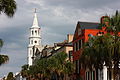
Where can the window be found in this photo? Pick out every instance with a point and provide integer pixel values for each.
(32, 33)
(35, 41)
(87, 75)
(79, 31)
(31, 41)
(79, 44)
(77, 66)
(70, 55)
(93, 75)
(36, 32)
(74, 47)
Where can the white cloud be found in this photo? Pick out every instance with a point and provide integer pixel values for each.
(58, 11)
(38, 2)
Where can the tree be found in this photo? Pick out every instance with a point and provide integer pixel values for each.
(10, 76)
(8, 7)
(104, 50)
(114, 28)
(98, 52)
(1, 43)
(3, 58)
(43, 68)
(24, 71)
(115, 24)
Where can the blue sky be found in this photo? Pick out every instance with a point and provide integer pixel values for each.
(57, 18)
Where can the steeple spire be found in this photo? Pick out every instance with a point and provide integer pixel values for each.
(35, 21)
(34, 39)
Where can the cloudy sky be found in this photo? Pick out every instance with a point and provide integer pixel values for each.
(57, 18)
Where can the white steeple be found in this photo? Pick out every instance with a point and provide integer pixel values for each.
(34, 38)
(35, 21)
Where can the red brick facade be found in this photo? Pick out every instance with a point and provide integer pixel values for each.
(81, 35)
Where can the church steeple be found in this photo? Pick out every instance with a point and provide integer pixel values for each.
(34, 38)
(35, 21)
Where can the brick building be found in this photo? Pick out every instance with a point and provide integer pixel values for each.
(81, 35)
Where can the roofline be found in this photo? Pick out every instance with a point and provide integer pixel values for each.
(89, 22)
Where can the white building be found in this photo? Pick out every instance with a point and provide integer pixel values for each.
(34, 39)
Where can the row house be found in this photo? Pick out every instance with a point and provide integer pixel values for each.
(83, 31)
(51, 50)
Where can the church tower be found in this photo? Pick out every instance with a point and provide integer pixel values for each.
(34, 38)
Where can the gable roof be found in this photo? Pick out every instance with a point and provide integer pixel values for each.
(85, 25)
(88, 25)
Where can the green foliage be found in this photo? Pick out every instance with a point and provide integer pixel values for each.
(1, 43)
(10, 76)
(45, 66)
(24, 71)
(8, 7)
(113, 23)
(97, 51)
(25, 67)
(105, 49)
(3, 59)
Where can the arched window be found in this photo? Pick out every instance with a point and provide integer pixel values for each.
(32, 33)
(36, 32)
(31, 41)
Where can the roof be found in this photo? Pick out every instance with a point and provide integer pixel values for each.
(84, 25)
(88, 25)
(35, 21)
(61, 43)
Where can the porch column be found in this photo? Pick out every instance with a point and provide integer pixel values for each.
(104, 73)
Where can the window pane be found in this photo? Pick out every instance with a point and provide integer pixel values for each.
(93, 75)
(32, 32)
(79, 44)
(86, 75)
(76, 46)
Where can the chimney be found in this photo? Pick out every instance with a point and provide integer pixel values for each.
(105, 22)
(70, 37)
